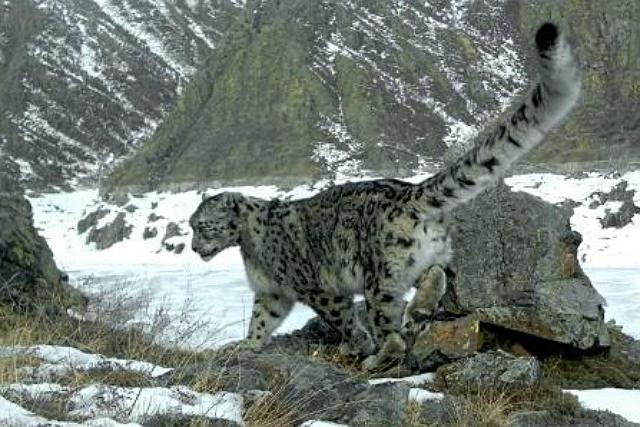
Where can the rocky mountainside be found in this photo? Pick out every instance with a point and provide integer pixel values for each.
(227, 89)
(29, 278)
(307, 88)
(84, 81)
(303, 88)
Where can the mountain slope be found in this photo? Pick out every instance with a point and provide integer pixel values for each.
(83, 81)
(606, 126)
(303, 88)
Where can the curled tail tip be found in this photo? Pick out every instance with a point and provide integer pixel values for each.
(547, 37)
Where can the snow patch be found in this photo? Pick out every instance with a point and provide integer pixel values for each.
(420, 395)
(60, 360)
(138, 404)
(619, 401)
(419, 379)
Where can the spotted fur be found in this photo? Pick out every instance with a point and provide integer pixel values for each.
(375, 238)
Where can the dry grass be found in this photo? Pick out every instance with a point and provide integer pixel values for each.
(491, 407)
(486, 408)
(611, 368)
(279, 408)
(109, 328)
(10, 367)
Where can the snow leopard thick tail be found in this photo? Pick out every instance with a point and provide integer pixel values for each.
(550, 101)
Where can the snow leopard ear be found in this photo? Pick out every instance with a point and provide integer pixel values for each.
(232, 201)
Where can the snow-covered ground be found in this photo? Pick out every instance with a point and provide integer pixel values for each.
(217, 292)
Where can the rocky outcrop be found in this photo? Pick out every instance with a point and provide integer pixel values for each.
(149, 233)
(515, 267)
(110, 234)
(29, 278)
(91, 220)
(173, 230)
(624, 215)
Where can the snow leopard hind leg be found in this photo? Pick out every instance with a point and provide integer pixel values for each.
(385, 309)
(430, 288)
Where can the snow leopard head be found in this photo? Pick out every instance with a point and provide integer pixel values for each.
(215, 224)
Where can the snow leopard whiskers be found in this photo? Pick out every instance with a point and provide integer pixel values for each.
(376, 238)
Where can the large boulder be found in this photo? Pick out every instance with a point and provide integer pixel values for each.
(515, 266)
(29, 278)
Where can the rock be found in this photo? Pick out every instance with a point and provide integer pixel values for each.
(515, 266)
(149, 233)
(493, 369)
(585, 418)
(119, 198)
(110, 234)
(444, 341)
(154, 205)
(622, 217)
(625, 213)
(131, 208)
(153, 217)
(91, 219)
(30, 281)
(172, 230)
(381, 404)
(320, 390)
(619, 193)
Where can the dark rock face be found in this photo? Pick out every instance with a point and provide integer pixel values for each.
(149, 233)
(91, 220)
(110, 234)
(29, 277)
(515, 266)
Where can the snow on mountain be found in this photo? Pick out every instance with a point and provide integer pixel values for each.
(95, 77)
(376, 37)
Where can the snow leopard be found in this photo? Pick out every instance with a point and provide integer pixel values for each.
(376, 238)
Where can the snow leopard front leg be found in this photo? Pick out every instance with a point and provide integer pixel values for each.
(269, 311)
(338, 311)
